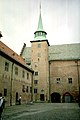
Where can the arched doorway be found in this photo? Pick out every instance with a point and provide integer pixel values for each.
(67, 97)
(55, 97)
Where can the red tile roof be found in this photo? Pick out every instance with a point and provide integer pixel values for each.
(5, 49)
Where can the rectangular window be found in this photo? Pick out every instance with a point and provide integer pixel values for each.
(30, 89)
(6, 66)
(36, 73)
(70, 80)
(23, 73)
(39, 45)
(35, 81)
(57, 80)
(23, 88)
(16, 70)
(35, 90)
(39, 54)
(27, 89)
(5, 92)
(27, 75)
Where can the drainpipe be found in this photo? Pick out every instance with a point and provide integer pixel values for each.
(78, 82)
(32, 88)
(11, 84)
(49, 83)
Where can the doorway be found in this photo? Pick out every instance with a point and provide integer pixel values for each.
(55, 97)
(16, 96)
(42, 97)
(67, 97)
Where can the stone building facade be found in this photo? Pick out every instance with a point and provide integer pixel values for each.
(40, 65)
(64, 82)
(15, 76)
(56, 68)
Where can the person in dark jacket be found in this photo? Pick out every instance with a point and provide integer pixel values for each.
(1, 105)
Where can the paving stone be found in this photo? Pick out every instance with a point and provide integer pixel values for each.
(43, 111)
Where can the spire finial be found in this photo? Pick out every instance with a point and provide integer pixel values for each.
(40, 6)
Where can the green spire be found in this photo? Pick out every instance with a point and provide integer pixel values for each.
(40, 34)
(40, 25)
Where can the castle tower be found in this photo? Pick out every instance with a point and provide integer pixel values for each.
(39, 63)
(40, 34)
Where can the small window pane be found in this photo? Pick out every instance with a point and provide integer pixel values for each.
(27, 89)
(16, 70)
(30, 89)
(6, 66)
(35, 90)
(23, 88)
(23, 73)
(36, 73)
(39, 45)
(35, 81)
(27, 75)
(70, 80)
(57, 80)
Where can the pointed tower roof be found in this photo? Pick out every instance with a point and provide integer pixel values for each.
(40, 34)
(40, 25)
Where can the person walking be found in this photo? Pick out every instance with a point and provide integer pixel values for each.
(20, 100)
(1, 106)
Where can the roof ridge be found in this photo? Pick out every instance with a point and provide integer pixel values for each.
(65, 44)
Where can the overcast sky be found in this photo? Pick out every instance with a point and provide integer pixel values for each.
(19, 21)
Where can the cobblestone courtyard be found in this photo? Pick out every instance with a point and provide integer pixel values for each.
(42, 111)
